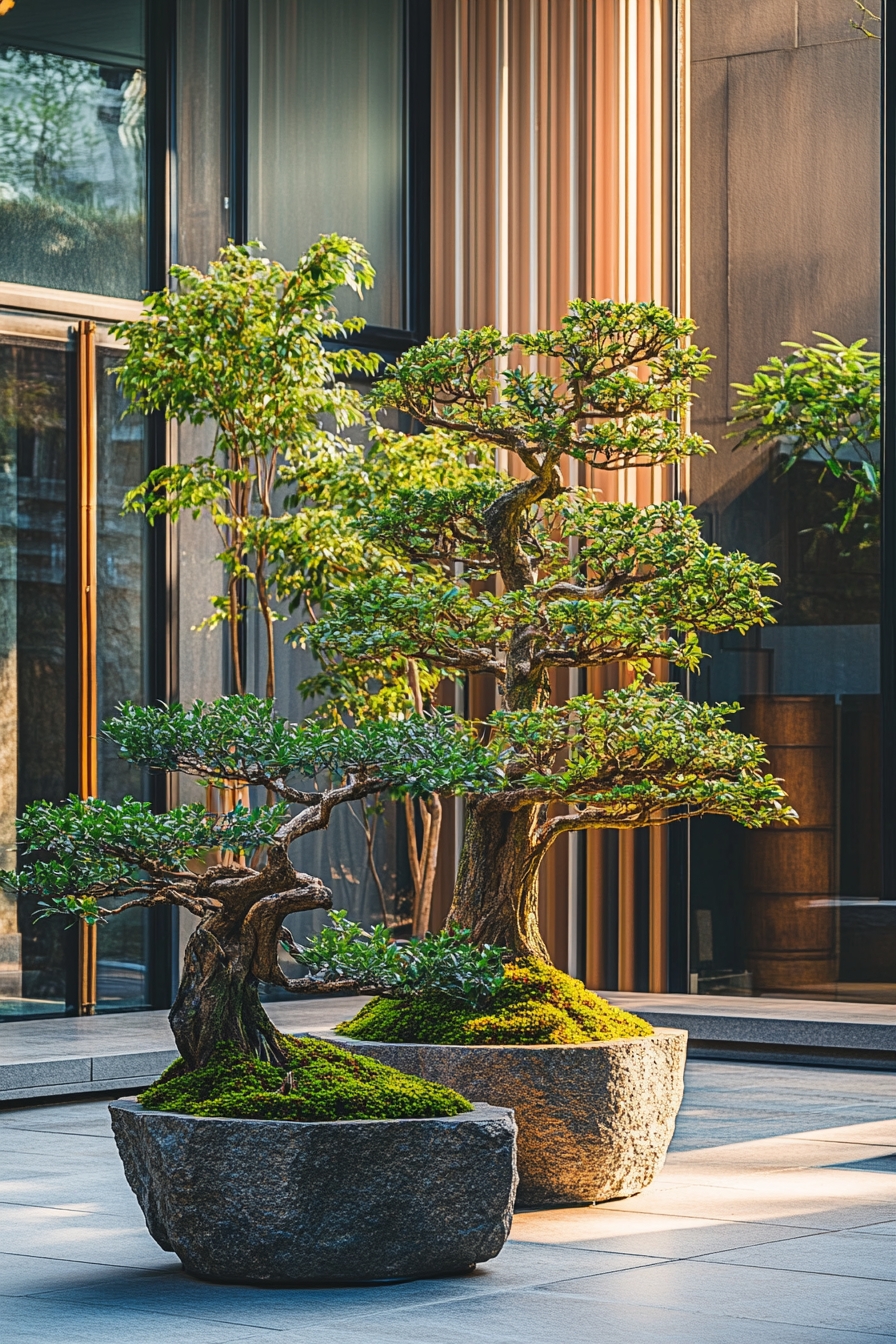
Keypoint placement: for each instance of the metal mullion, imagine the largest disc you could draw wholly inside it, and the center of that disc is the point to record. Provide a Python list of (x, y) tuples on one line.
[(88, 768), (888, 448)]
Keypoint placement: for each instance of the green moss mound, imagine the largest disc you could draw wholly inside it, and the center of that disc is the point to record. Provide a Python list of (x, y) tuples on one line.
[(536, 1005), (327, 1084)]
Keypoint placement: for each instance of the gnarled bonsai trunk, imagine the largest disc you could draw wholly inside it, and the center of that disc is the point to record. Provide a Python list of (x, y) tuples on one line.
[(217, 1000), (496, 894), (232, 951)]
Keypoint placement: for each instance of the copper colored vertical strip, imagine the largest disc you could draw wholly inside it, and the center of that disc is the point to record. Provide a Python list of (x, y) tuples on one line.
[(626, 910), (87, 691), (658, 974)]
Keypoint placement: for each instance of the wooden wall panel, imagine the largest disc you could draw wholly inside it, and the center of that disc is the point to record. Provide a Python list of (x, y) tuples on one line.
[(552, 178)]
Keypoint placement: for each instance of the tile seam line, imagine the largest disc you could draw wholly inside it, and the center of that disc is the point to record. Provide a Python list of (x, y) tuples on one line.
[(99, 1305), (682, 1259), (100, 1264)]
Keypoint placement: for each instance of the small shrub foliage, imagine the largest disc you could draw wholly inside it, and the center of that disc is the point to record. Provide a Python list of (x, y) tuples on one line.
[(535, 1005), (321, 1082), (447, 963)]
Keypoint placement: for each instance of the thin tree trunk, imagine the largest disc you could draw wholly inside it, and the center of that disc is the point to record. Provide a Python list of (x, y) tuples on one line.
[(422, 858), (262, 590), (233, 622), (496, 894), (432, 812)]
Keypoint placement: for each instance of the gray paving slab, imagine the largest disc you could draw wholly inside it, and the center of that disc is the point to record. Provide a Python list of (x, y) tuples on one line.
[(722, 1249), (48, 1057)]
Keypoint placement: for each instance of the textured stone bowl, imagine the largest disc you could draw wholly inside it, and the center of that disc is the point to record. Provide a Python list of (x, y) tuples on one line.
[(595, 1121), (282, 1202)]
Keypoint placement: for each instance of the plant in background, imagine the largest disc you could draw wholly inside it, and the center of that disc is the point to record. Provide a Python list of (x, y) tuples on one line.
[(516, 575), (94, 860), (821, 404)]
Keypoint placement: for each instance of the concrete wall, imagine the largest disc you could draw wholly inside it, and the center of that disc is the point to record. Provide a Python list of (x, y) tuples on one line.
[(785, 145)]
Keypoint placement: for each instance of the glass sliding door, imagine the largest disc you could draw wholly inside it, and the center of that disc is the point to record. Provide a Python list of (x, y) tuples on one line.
[(123, 943), (41, 642), (35, 485), (785, 153)]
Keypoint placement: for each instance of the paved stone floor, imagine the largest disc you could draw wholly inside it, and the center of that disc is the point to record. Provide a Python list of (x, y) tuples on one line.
[(773, 1222)]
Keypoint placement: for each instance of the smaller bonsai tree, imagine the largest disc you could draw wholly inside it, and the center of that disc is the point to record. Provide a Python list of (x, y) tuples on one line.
[(93, 860), (821, 403)]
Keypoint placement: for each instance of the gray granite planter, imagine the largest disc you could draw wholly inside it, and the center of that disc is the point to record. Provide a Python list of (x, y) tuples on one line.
[(281, 1202), (595, 1121)]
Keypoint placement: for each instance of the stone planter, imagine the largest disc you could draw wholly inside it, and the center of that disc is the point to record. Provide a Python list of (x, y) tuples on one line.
[(282, 1202), (595, 1121)]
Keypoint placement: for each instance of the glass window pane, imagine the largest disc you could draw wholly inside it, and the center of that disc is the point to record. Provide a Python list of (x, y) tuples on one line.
[(72, 147), (785, 236), (326, 135)]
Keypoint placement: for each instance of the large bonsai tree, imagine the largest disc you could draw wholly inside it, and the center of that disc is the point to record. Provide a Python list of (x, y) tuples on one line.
[(516, 574), (94, 860)]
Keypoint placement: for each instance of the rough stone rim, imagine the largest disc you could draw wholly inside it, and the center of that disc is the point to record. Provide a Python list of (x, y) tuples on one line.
[(658, 1032), (482, 1110)]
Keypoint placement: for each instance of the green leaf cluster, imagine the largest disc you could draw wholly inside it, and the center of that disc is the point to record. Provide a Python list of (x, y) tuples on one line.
[(87, 850), (627, 756), (240, 739), (447, 963), (821, 404), (623, 370)]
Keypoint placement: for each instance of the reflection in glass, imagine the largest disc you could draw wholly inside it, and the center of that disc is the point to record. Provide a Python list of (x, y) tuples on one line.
[(72, 163), (34, 484), (326, 135), (784, 231)]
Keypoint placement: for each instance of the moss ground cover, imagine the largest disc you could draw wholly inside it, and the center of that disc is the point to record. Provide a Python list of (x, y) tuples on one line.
[(536, 1005), (322, 1083)]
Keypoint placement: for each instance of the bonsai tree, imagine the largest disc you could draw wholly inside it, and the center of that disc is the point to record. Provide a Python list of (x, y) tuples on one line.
[(517, 574), (93, 860), (822, 404)]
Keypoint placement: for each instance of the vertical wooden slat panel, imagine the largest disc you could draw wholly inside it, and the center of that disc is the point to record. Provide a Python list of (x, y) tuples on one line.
[(88, 782), (552, 178)]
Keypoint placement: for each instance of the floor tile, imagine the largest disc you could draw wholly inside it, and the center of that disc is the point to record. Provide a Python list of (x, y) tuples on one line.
[(661, 1235), (777, 1296), (854, 1254)]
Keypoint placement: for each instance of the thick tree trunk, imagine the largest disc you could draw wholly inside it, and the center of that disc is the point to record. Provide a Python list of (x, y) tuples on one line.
[(496, 894), (218, 1001)]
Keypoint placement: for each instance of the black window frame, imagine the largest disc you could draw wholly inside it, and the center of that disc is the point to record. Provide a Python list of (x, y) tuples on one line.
[(417, 40)]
